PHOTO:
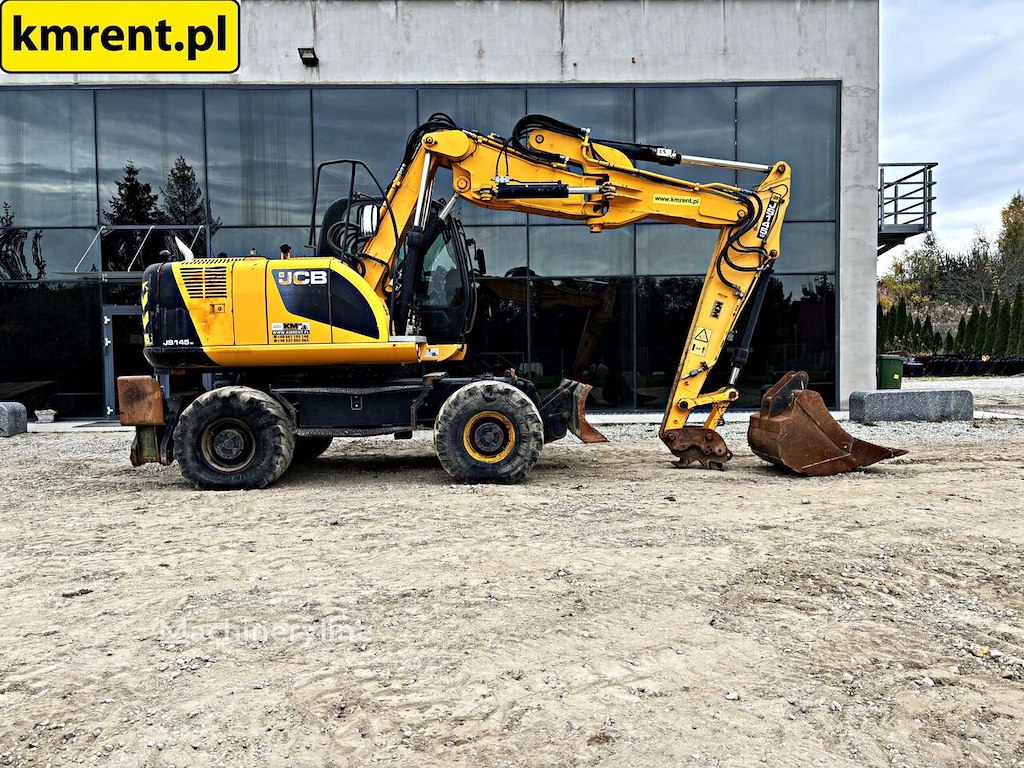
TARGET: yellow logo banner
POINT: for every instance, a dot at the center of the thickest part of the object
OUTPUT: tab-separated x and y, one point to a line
73	36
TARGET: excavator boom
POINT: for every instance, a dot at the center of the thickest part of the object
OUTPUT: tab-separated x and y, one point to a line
550	168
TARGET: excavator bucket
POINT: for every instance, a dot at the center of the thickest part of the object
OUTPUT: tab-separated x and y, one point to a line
795	430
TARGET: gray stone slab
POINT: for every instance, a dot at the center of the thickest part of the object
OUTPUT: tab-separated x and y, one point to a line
13	419
912	405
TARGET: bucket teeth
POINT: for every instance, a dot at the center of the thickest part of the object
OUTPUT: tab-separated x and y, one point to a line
795	430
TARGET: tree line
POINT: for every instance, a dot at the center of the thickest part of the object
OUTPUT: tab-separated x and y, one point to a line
935	301
134	203
993	331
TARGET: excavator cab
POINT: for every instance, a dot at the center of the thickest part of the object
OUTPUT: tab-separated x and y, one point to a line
445	292
433	275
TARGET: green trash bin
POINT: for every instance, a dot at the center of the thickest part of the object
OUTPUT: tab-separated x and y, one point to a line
890	371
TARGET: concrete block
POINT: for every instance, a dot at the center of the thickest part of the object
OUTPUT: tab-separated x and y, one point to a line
13	419
912	405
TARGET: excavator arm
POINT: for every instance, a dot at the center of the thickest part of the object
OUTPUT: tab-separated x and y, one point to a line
549	168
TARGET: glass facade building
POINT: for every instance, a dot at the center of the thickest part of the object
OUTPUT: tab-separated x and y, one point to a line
230	169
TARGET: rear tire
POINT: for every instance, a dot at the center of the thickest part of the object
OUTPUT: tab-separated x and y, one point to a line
233	438
488	432
310	447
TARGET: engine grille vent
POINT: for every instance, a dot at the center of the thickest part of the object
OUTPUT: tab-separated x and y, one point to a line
205	281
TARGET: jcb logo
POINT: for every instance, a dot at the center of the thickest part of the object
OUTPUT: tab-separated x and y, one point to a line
301	276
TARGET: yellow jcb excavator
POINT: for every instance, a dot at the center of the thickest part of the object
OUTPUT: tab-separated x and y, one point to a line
353	340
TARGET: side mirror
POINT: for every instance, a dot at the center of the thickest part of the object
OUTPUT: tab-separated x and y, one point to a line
184	250
369	219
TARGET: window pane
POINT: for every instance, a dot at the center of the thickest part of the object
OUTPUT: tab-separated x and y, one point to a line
46	254
484	110
267	241
607	112
692	121
796	331
152	129
258	142
50	346
132	249
48	157
665	249
498	339
807	248
564	251
796	124
365	124
504	247
664	309
583	329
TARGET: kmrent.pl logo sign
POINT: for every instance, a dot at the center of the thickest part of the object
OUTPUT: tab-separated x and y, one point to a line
118	36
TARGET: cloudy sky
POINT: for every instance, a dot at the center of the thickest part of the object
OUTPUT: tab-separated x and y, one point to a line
952	91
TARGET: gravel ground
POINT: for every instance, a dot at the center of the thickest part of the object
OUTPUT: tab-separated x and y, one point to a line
610	610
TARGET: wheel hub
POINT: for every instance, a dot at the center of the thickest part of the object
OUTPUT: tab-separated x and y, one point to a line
489	437
229	444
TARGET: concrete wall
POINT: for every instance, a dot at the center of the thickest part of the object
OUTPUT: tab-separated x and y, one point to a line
606	41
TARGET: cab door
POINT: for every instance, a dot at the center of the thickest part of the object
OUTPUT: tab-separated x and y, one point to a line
445	297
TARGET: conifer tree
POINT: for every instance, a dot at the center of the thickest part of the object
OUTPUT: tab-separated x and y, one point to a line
961	334
1019	334
133	204
989	343
183	204
1011	242
928	335
1002	334
902	324
966	343
1016	319
979	334
948	343
916	335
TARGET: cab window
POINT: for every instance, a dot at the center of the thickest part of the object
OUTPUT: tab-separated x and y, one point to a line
441	282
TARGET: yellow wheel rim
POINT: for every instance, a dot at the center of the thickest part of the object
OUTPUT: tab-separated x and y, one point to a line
489	437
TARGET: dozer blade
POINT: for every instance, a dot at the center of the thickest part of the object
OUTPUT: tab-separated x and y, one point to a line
578	423
565	409
795	430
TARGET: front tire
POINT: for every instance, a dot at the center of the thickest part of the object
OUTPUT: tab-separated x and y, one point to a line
233	438
488	432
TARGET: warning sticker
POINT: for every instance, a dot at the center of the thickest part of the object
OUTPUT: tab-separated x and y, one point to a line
289	333
701	339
